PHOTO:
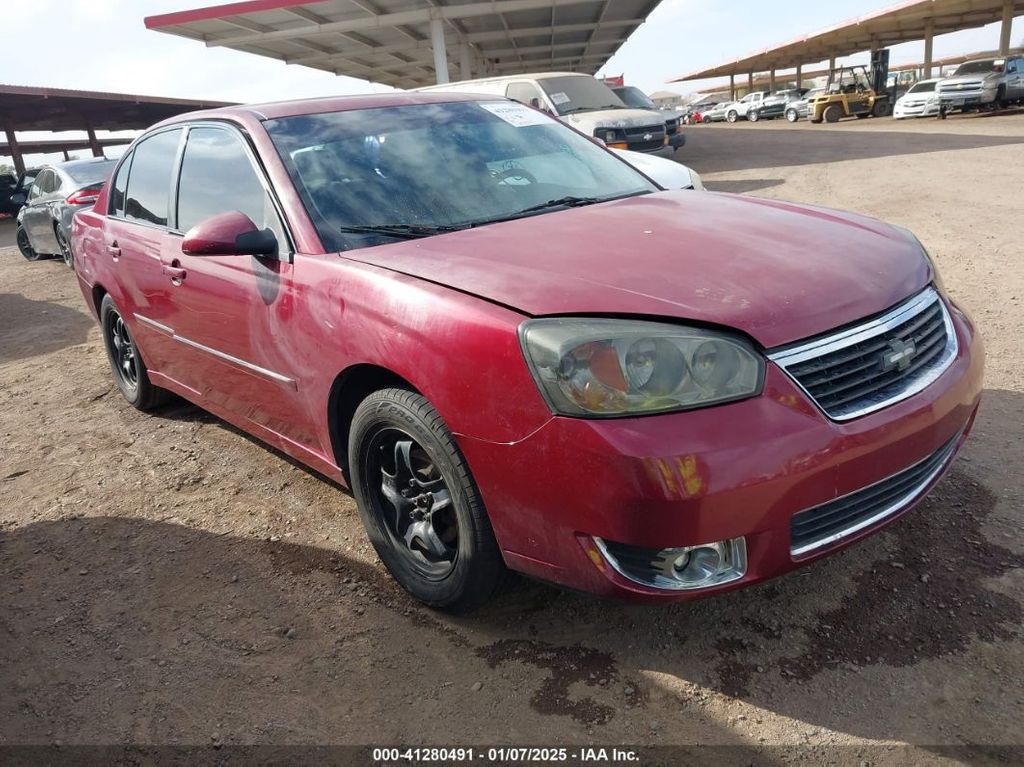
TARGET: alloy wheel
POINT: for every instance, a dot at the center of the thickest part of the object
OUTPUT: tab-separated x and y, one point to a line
25	246
413	502
126	360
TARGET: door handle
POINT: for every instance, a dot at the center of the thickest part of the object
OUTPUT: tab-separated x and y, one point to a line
113	250
175	271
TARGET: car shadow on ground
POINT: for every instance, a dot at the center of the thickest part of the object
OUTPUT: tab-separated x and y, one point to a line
33	328
722	150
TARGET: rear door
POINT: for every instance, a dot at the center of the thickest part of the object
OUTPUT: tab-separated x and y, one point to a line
36	217
136	235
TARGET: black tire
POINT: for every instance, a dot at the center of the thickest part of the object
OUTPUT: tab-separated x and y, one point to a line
832	113
65	247
25	246
792	115
881	109
403	463
753	115
126	363
732	116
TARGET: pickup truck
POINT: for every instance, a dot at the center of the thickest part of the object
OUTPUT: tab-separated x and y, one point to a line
983	84
746	107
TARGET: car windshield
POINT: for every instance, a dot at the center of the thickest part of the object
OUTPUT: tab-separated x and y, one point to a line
980	67
91	172
372	176
922	88
579	93
634	97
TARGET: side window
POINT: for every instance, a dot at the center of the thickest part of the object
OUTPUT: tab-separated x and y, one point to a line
56	183
42	185
524	93
116	202
149	182
217	176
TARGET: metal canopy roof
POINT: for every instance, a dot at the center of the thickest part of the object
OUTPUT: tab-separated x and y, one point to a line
907	21
392	41
57	109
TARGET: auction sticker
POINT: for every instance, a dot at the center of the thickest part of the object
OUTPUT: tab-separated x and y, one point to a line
517	114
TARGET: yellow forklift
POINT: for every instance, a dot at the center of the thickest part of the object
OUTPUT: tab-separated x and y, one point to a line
855	91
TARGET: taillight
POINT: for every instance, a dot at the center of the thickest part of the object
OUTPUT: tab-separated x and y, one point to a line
86	196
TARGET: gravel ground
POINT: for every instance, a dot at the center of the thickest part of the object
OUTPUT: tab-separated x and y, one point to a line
166	579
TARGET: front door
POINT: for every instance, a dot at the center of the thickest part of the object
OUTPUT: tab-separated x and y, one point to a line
230	313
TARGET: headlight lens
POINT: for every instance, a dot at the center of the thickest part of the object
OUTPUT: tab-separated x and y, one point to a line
605	368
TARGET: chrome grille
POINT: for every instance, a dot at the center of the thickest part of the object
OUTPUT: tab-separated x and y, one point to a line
875	364
826	524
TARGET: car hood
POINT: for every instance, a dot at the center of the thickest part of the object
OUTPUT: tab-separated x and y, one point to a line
969	79
776	271
614	118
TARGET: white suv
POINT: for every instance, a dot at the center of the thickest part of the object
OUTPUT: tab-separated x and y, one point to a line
583	102
746	106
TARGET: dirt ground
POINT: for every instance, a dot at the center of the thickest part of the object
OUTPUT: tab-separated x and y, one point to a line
166	579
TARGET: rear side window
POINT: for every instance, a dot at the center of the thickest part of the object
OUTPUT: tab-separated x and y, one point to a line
42	185
117	190
149	182
217	177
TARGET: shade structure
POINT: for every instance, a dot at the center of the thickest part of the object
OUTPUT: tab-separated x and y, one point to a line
409	43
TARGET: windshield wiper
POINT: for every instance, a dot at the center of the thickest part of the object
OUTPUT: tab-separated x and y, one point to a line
399	231
571	201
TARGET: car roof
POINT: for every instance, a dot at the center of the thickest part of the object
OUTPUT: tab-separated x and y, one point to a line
273	110
505	78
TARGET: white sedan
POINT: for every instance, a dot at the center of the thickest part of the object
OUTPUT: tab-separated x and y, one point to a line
667	173
920	101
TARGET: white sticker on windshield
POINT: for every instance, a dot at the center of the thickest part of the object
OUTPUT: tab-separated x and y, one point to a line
560	98
517	114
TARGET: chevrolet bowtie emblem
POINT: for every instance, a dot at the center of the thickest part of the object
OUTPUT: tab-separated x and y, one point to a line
648	136
898	355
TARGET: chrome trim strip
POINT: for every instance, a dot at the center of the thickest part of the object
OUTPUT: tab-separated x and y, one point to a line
905	500
739	551
906	311
223	356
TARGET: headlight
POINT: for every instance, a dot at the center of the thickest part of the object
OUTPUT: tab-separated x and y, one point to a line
605	368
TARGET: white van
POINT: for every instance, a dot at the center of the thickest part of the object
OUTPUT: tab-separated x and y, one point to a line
583	102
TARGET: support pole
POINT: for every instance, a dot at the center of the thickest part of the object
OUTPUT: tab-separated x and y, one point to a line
929	33
799	76
732	87
15	150
97	150
440	50
1004	32
771	81
750	82
465	62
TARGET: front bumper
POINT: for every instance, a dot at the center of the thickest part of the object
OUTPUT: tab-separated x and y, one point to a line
901	111
960	99
741	470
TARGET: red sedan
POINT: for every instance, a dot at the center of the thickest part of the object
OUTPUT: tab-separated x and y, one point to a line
519	352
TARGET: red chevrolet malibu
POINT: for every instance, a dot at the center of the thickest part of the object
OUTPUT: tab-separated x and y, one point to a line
521	353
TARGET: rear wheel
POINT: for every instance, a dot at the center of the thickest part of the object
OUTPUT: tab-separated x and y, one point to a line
832	113
25	246
418	501
126	363
65	247
753	115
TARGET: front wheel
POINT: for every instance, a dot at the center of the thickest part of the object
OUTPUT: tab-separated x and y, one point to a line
732	116
130	372
25	245
753	116
832	113
792	115
418	501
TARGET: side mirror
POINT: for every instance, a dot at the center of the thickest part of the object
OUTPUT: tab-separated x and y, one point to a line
229	234
18	198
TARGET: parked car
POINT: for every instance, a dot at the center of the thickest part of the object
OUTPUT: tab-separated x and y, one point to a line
56	194
983	84
635	98
582	101
668	174
746	107
800	108
14	195
920	100
775	105
717	113
644	394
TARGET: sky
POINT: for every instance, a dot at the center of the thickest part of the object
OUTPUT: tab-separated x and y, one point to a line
103	45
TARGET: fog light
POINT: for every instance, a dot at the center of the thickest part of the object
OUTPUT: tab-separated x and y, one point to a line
679	568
